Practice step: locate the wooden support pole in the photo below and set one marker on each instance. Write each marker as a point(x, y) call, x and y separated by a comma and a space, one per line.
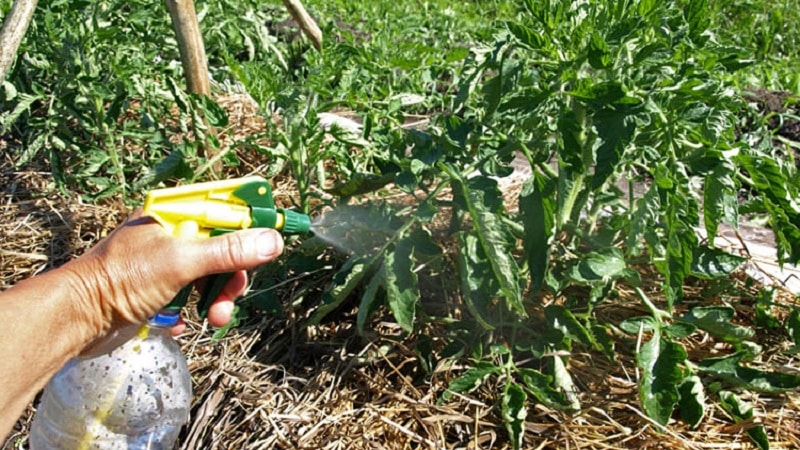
point(305, 21)
point(190, 43)
point(14, 28)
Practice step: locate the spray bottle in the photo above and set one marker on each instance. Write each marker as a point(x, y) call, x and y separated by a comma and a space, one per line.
point(132, 390)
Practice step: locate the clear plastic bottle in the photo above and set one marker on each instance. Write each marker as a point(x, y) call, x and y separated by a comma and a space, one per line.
point(136, 395)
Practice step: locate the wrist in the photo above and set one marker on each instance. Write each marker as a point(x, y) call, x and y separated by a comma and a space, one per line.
point(84, 299)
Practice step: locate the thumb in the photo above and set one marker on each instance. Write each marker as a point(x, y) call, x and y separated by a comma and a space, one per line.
point(240, 250)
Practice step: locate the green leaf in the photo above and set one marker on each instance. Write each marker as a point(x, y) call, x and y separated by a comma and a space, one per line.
point(644, 323)
point(541, 386)
point(478, 286)
point(681, 243)
point(402, 284)
point(793, 326)
point(720, 202)
point(716, 320)
point(679, 330)
point(342, 285)
point(615, 131)
point(369, 299)
point(514, 413)
point(471, 379)
point(698, 17)
point(488, 229)
point(659, 360)
point(711, 263)
point(741, 411)
point(562, 319)
point(599, 56)
point(692, 401)
point(602, 266)
point(538, 218)
point(360, 183)
point(729, 369)
point(526, 36)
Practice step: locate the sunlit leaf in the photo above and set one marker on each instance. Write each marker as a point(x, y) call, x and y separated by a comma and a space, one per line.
point(562, 380)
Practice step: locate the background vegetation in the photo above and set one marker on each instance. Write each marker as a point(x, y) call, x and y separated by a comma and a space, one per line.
point(588, 98)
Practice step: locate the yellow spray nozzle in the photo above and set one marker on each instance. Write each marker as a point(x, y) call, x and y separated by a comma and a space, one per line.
point(202, 210)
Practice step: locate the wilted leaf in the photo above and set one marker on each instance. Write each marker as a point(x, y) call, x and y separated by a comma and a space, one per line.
point(369, 298)
point(342, 285)
point(563, 382)
point(514, 413)
point(710, 263)
point(213, 113)
point(563, 320)
point(741, 411)
point(538, 218)
point(793, 325)
point(692, 401)
point(716, 320)
point(659, 362)
point(478, 286)
point(402, 284)
point(541, 386)
point(720, 203)
point(488, 229)
point(360, 183)
point(730, 369)
point(471, 379)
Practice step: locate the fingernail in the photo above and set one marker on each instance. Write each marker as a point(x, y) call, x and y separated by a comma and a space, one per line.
point(266, 245)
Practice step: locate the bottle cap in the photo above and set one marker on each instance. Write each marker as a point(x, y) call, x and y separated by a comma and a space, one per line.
point(166, 318)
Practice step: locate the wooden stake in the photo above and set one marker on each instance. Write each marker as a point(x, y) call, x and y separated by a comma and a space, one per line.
point(13, 31)
point(190, 43)
point(306, 22)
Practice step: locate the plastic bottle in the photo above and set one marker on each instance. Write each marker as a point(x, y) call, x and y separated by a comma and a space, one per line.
point(136, 395)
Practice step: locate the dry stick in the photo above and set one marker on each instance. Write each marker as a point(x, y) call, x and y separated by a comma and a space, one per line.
point(306, 23)
point(193, 60)
point(11, 35)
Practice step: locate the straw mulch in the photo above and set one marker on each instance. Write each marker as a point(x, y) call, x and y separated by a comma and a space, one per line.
point(274, 384)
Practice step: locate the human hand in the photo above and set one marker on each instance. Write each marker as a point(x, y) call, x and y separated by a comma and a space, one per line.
point(136, 270)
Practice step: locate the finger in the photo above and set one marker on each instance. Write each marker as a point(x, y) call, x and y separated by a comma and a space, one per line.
point(230, 252)
point(221, 312)
point(236, 285)
point(178, 328)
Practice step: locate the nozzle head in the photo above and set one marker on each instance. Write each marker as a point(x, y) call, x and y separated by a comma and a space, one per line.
point(295, 222)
